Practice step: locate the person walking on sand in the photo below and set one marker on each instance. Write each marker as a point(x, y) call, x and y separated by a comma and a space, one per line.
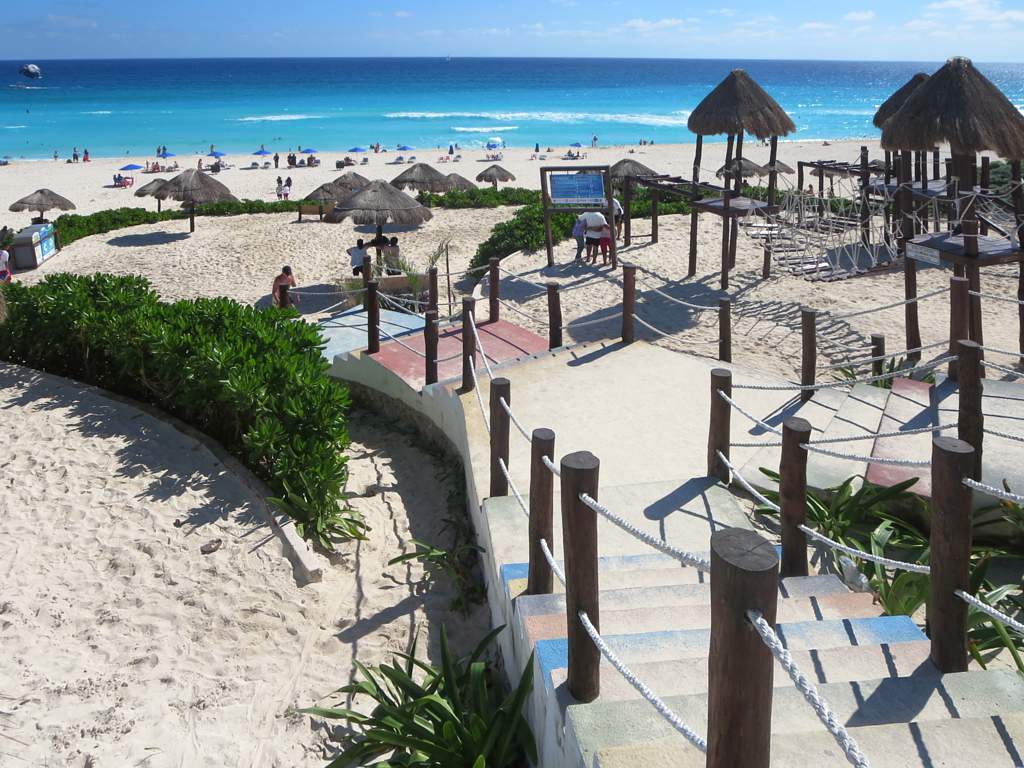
point(281, 290)
point(280, 189)
point(606, 243)
point(617, 208)
point(277, 161)
point(286, 190)
point(357, 257)
point(579, 231)
point(594, 221)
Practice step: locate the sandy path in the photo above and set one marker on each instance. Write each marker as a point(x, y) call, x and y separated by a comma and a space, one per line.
point(123, 642)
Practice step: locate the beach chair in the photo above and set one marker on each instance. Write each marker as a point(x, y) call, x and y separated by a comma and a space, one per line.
point(398, 160)
point(366, 161)
point(253, 165)
point(266, 165)
point(411, 159)
point(457, 158)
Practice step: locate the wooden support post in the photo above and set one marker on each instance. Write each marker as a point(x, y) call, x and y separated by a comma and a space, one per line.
point(1017, 195)
point(554, 316)
point(192, 218)
point(877, 350)
point(549, 242)
point(910, 313)
point(468, 342)
point(725, 330)
point(888, 166)
point(773, 175)
point(809, 350)
point(985, 180)
point(655, 196)
point(970, 419)
point(821, 192)
point(609, 213)
point(627, 211)
point(372, 318)
point(694, 216)
point(968, 213)
point(430, 345)
point(367, 276)
point(936, 168)
point(500, 389)
point(977, 331)
point(726, 232)
point(950, 553)
point(800, 191)
point(793, 495)
point(493, 289)
point(924, 188)
point(865, 210)
point(959, 323)
point(432, 289)
point(579, 537)
point(738, 173)
point(628, 302)
point(727, 179)
point(540, 580)
point(744, 577)
point(720, 425)
point(734, 231)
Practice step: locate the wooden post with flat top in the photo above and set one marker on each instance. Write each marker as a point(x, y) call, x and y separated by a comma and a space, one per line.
point(877, 351)
point(468, 343)
point(959, 320)
point(725, 330)
point(628, 302)
point(501, 389)
point(432, 288)
point(430, 345)
point(372, 318)
point(691, 269)
point(579, 537)
point(726, 231)
point(950, 559)
point(367, 271)
point(720, 424)
point(1017, 196)
point(970, 418)
point(808, 350)
point(655, 195)
point(744, 577)
point(554, 316)
point(493, 289)
point(793, 495)
point(542, 493)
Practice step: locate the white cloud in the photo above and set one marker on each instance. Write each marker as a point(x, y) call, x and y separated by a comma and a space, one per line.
point(402, 14)
point(722, 11)
point(859, 16)
point(644, 26)
point(816, 26)
point(990, 11)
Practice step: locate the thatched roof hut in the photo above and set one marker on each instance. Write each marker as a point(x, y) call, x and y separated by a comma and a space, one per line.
point(192, 188)
point(422, 177)
point(42, 200)
point(460, 182)
point(351, 181)
point(327, 193)
point(778, 166)
point(630, 169)
point(746, 166)
point(960, 106)
point(891, 105)
point(492, 174)
point(378, 204)
point(146, 190)
point(740, 104)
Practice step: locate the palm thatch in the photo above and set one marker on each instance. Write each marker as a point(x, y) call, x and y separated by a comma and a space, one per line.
point(328, 193)
point(42, 200)
point(630, 169)
point(740, 104)
point(891, 105)
point(151, 189)
point(960, 106)
point(351, 181)
point(747, 168)
point(492, 174)
point(460, 182)
point(778, 166)
point(193, 187)
point(422, 177)
point(377, 204)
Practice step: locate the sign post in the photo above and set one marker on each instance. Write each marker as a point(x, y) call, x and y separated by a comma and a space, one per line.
point(577, 189)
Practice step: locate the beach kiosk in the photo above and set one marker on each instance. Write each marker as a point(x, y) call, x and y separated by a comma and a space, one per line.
point(33, 245)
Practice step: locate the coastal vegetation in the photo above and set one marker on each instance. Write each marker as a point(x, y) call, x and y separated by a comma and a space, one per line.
point(254, 380)
point(456, 715)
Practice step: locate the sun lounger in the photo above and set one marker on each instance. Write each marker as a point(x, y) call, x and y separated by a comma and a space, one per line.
point(253, 165)
point(315, 209)
point(457, 159)
point(365, 161)
point(398, 160)
point(411, 159)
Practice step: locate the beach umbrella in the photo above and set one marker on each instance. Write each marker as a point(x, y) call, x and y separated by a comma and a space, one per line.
point(405, 148)
point(746, 167)
point(192, 188)
point(493, 174)
point(455, 181)
point(215, 153)
point(960, 106)
point(357, 149)
point(423, 178)
point(630, 169)
point(836, 173)
point(150, 189)
point(576, 145)
point(493, 145)
point(891, 105)
point(308, 151)
point(778, 167)
point(351, 181)
point(165, 155)
point(328, 193)
point(379, 203)
point(42, 200)
point(130, 167)
point(739, 104)
point(263, 152)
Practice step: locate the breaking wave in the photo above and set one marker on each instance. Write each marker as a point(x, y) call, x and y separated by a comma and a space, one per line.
point(276, 118)
point(675, 118)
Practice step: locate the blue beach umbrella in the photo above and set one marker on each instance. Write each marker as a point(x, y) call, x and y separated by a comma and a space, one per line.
point(309, 151)
point(405, 148)
point(215, 153)
point(165, 155)
point(263, 152)
point(576, 145)
point(493, 145)
point(357, 149)
point(131, 167)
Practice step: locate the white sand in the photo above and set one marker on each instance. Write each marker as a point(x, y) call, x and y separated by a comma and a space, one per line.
point(123, 642)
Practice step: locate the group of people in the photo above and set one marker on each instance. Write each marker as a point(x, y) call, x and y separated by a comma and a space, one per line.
point(387, 250)
point(75, 157)
point(593, 233)
point(284, 188)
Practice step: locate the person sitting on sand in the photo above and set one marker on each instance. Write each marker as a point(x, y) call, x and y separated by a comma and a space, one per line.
point(357, 257)
point(282, 296)
point(85, 156)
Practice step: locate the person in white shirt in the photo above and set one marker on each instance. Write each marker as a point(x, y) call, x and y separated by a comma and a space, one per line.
point(357, 256)
point(5, 266)
point(617, 207)
point(594, 221)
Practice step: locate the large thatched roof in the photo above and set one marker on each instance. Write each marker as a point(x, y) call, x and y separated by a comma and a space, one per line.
point(43, 200)
point(351, 181)
point(456, 181)
point(422, 177)
point(630, 169)
point(494, 174)
point(151, 188)
point(739, 104)
point(328, 193)
point(194, 187)
point(960, 106)
point(891, 105)
point(747, 166)
point(377, 204)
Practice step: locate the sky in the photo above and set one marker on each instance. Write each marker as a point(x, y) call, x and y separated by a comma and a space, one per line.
point(901, 30)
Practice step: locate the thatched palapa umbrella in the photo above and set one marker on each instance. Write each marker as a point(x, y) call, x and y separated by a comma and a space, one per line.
point(151, 189)
point(629, 169)
point(351, 181)
point(460, 182)
point(493, 174)
point(423, 178)
point(891, 105)
point(328, 193)
point(192, 188)
point(746, 167)
point(42, 200)
point(378, 204)
point(779, 167)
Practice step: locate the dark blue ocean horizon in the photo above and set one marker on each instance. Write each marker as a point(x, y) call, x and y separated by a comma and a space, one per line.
point(128, 107)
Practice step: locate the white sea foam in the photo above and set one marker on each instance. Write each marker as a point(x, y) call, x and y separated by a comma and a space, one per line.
point(485, 129)
point(276, 118)
point(675, 118)
point(13, 127)
point(98, 112)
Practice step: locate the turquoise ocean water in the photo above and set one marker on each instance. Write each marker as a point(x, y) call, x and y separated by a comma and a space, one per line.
point(116, 108)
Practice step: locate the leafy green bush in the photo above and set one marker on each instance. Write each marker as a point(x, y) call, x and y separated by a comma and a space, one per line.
point(73, 226)
point(252, 379)
point(454, 718)
point(480, 198)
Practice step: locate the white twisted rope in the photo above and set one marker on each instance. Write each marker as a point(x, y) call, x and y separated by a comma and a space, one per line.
point(479, 399)
point(810, 693)
point(686, 558)
point(867, 459)
point(878, 358)
point(994, 613)
point(754, 419)
point(700, 307)
point(900, 565)
point(552, 467)
point(512, 417)
point(522, 279)
point(555, 568)
point(515, 491)
point(398, 307)
point(509, 305)
point(572, 324)
point(450, 357)
point(893, 433)
point(1007, 435)
point(845, 383)
point(999, 493)
point(480, 347)
point(858, 313)
point(400, 342)
point(332, 306)
point(663, 709)
point(1002, 369)
point(1002, 351)
point(747, 486)
point(304, 292)
point(667, 335)
point(980, 295)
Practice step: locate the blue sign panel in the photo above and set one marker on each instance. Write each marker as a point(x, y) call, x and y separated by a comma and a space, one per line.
point(577, 189)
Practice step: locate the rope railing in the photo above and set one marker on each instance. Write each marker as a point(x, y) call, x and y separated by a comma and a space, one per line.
point(998, 351)
point(668, 335)
point(673, 299)
point(479, 399)
point(743, 412)
point(859, 312)
point(903, 372)
point(480, 347)
point(991, 490)
point(899, 565)
point(993, 297)
point(879, 358)
point(881, 460)
point(522, 279)
point(400, 342)
point(662, 708)
point(510, 306)
point(552, 563)
point(735, 473)
point(877, 435)
point(551, 466)
point(686, 558)
point(821, 708)
point(1002, 369)
point(508, 409)
point(515, 491)
point(1006, 435)
point(989, 610)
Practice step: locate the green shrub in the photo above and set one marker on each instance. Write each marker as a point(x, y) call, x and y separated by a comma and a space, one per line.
point(252, 379)
point(480, 198)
